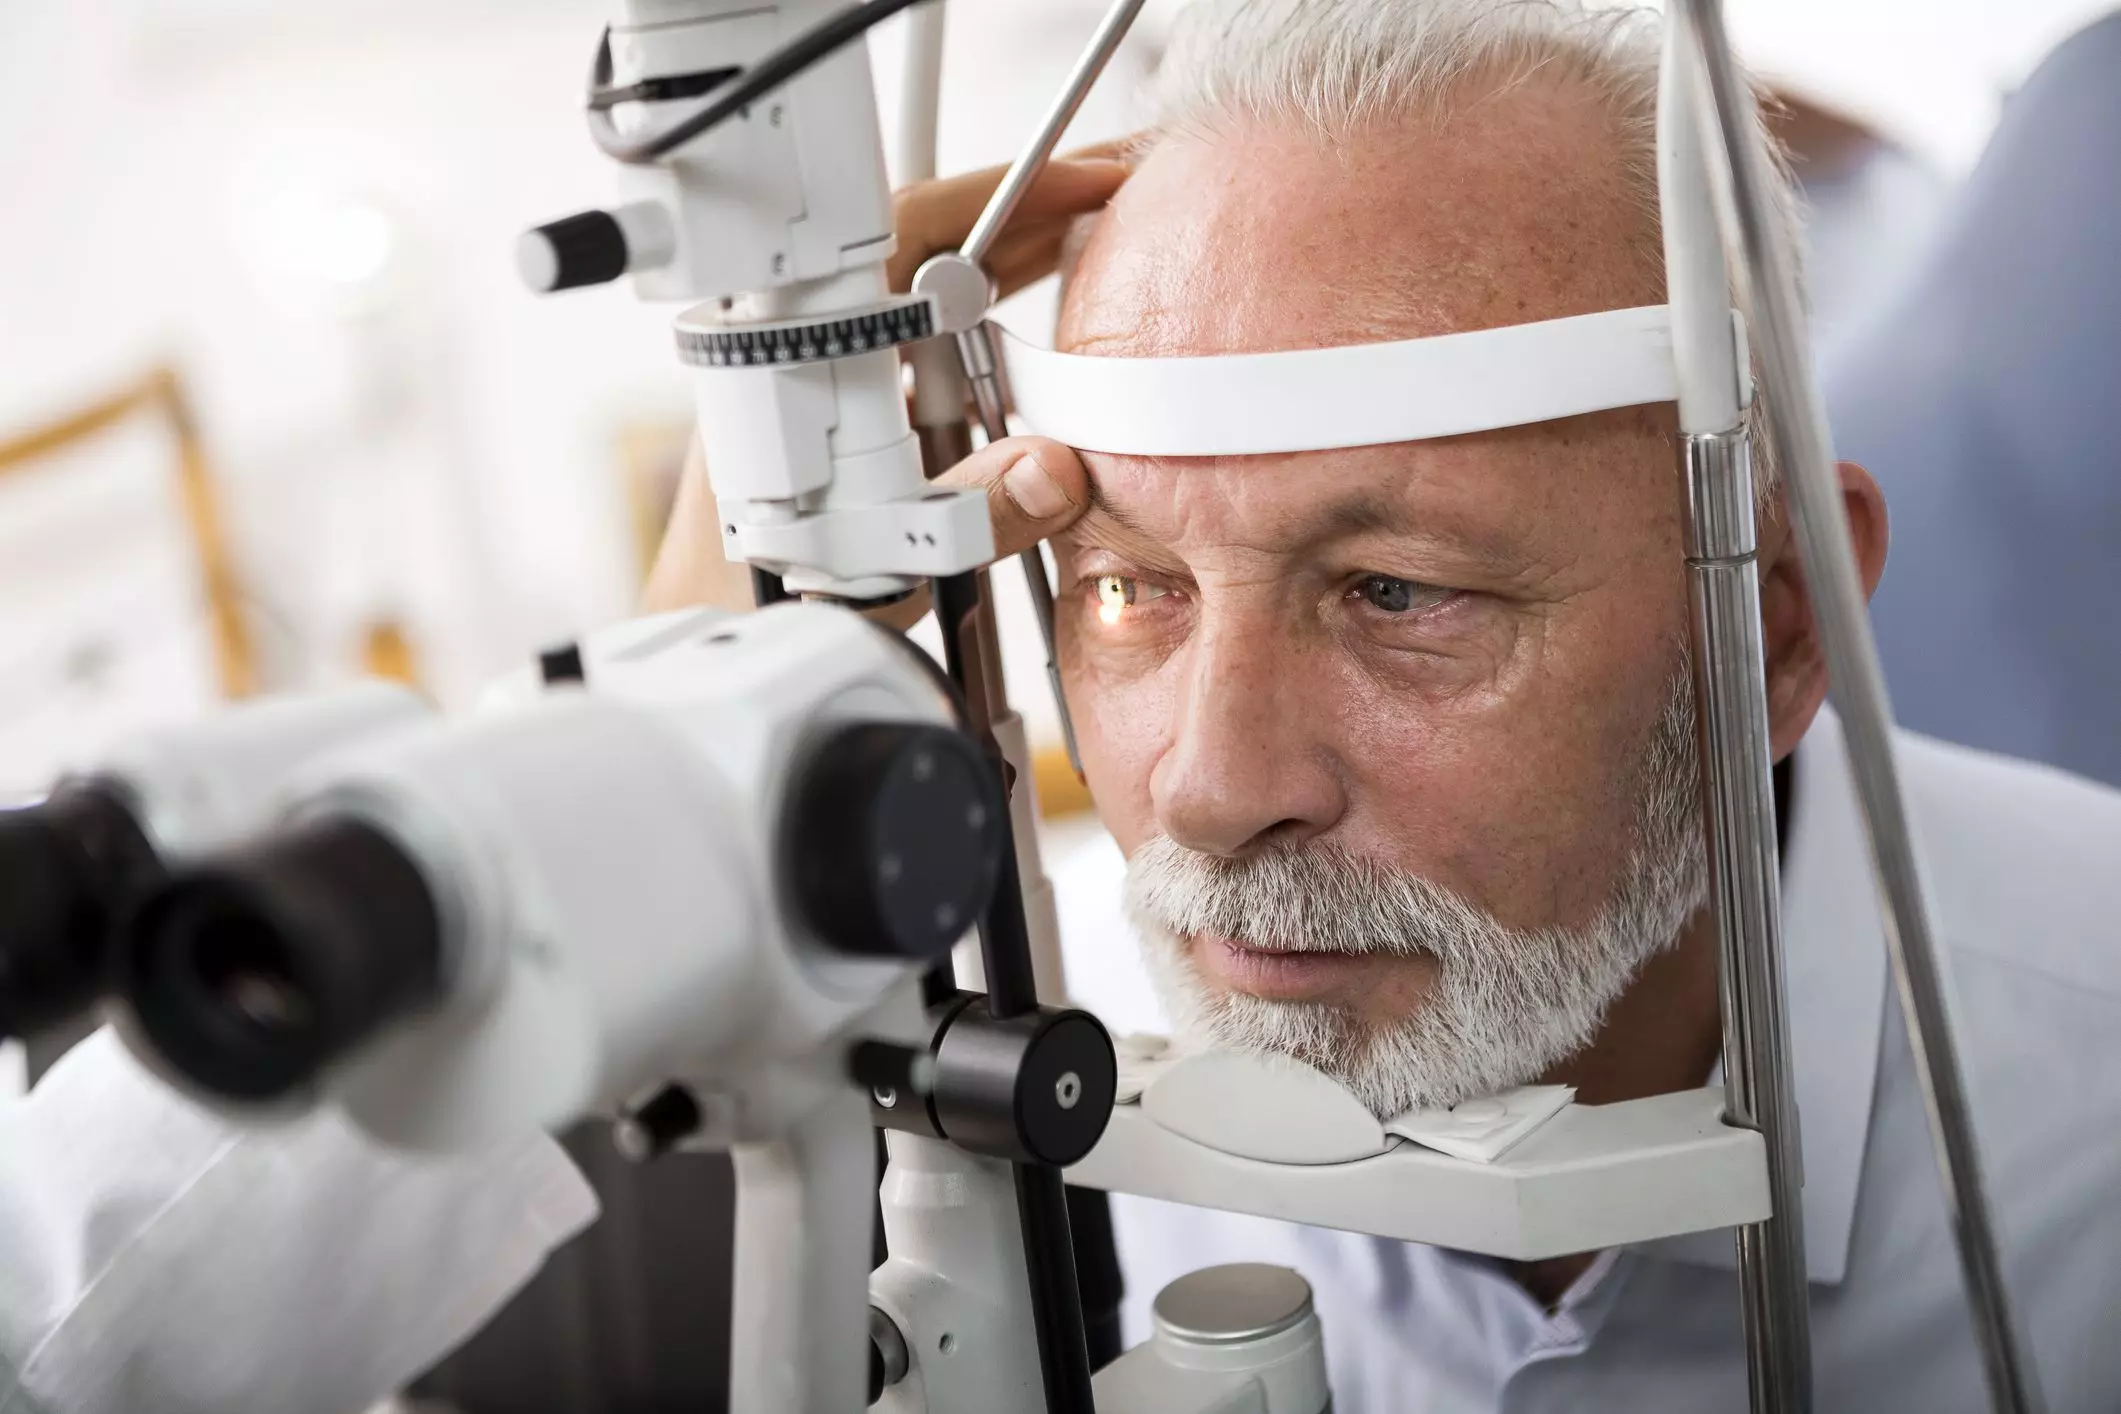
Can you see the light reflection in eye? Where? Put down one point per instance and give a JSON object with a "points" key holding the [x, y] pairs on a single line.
{"points": [[1114, 593]]}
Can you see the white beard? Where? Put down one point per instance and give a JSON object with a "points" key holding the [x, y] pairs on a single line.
{"points": [[1506, 1003]]}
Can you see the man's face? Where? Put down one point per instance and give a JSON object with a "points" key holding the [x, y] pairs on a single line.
{"points": [[1442, 663]]}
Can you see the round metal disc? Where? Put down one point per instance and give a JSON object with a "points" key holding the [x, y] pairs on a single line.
{"points": [[1239, 1302]]}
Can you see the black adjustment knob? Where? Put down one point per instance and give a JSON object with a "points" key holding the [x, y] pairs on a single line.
{"points": [[659, 1124], [893, 839], [69, 869], [889, 1359], [561, 664], [252, 971], [586, 249], [1035, 1088]]}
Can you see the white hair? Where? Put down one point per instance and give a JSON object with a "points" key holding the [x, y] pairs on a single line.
{"points": [[1335, 66], [1506, 1004]]}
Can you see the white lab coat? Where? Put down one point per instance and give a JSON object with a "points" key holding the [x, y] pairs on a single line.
{"points": [[155, 1259]]}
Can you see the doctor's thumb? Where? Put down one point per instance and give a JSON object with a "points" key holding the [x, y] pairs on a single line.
{"points": [[1035, 487]]}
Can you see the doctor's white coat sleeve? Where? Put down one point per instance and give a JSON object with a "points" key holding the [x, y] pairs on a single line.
{"points": [[155, 1259]]}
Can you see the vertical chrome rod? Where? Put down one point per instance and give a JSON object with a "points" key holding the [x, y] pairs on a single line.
{"points": [[1730, 668], [1797, 428], [1025, 169], [974, 345], [1730, 679]]}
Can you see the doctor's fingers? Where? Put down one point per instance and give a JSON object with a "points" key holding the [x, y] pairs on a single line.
{"points": [[936, 216], [1028, 253], [1036, 487]]}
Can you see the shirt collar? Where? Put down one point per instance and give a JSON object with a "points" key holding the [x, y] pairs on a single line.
{"points": [[1834, 962]]}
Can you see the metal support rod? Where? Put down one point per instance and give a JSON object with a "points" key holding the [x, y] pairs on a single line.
{"points": [[1012, 989], [1730, 680], [803, 1232], [1025, 169], [975, 346], [976, 349], [1797, 430]]}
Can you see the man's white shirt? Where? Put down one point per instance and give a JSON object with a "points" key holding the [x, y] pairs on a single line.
{"points": [[2023, 866]]}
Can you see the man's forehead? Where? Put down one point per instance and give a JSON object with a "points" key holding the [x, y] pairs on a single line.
{"points": [[1259, 237]]}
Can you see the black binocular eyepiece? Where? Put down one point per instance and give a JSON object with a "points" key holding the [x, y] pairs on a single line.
{"points": [[70, 869], [252, 971]]}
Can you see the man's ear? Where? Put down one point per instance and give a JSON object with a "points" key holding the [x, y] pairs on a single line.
{"points": [[1796, 659]]}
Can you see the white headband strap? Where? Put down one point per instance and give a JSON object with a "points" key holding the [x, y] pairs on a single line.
{"points": [[1354, 395]]}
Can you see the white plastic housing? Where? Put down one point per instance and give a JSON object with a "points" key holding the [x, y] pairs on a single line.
{"points": [[955, 1284], [816, 471], [201, 784], [792, 190], [604, 858], [784, 212], [1594, 1176]]}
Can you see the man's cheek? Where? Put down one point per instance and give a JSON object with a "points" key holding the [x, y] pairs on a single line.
{"points": [[1120, 728]]}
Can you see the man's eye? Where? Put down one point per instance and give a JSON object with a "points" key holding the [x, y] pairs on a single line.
{"points": [[1116, 593], [1398, 596]]}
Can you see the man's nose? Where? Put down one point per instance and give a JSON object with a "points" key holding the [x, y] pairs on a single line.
{"points": [[1248, 760]]}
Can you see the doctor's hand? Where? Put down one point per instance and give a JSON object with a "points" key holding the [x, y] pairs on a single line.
{"points": [[936, 216], [1035, 486]]}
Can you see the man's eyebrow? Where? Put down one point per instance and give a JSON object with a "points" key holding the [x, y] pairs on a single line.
{"points": [[1359, 514], [1492, 549], [1101, 505]]}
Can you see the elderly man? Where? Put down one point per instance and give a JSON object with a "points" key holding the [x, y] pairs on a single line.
{"points": [[1399, 740], [1399, 744]]}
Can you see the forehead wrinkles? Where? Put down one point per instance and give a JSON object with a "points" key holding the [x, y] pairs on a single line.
{"points": [[1251, 237], [1510, 499], [1179, 504]]}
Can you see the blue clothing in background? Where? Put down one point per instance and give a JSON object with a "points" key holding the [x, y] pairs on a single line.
{"points": [[1985, 396]]}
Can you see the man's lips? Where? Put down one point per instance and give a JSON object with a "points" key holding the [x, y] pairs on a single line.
{"points": [[1276, 975]]}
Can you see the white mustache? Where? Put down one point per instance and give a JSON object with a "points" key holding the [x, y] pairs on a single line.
{"points": [[1318, 897]]}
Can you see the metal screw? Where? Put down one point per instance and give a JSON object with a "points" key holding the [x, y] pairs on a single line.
{"points": [[886, 1096], [1068, 1090]]}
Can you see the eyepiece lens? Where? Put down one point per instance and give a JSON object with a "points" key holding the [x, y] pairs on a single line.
{"points": [[246, 970], [254, 971], [69, 868]]}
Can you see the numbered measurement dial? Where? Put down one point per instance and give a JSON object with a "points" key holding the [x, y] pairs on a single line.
{"points": [[707, 344]]}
